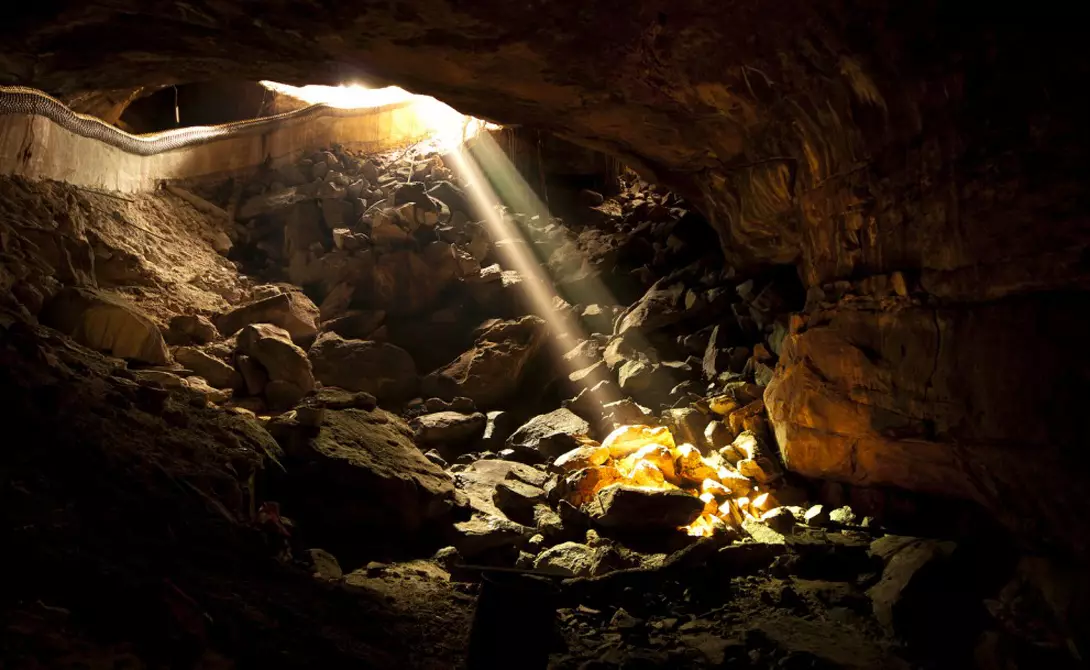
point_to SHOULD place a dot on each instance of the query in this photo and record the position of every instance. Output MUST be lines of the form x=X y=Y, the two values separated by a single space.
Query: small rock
x=568 y=558
x=518 y=499
x=582 y=457
x=817 y=516
x=448 y=428
x=779 y=519
x=761 y=533
x=842 y=515
x=325 y=564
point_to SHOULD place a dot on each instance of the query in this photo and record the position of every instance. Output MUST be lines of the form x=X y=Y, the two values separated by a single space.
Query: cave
x=548 y=335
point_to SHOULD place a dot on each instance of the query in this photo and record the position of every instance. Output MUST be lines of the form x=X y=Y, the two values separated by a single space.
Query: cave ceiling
x=795 y=126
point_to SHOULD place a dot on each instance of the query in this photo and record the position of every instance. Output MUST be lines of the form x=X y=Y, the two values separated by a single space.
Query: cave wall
x=852 y=138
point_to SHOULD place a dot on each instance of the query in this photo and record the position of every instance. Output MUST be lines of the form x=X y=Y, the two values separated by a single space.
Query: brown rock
x=191 y=329
x=629 y=508
x=357 y=325
x=579 y=487
x=550 y=435
x=448 y=428
x=661 y=306
x=582 y=457
x=492 y=371
x=336 y=301
x=292 y=311
x=282 y=360
x=368 y=462
x=106 y=323
x=384 y=370
x=518 y=499
x=216 y=372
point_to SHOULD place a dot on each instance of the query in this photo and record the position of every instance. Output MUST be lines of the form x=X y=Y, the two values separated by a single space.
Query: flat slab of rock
x=359 y=473
x=551 y=435
x=386 y=371
x=568 y=558
x=217 y=373
x=630 y=508
x=480 y=479
x=448 y=428
x=106 y=323
x=292 y=311
x=483 y=532
x=492 y=371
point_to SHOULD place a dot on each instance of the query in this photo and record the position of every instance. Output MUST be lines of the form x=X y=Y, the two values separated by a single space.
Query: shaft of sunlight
x=538 y=285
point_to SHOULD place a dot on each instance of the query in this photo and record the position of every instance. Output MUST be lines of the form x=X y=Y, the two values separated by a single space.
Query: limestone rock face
x=365 y=461
x=941 y=401
x=292 y=311
x=381 y=369
x=106 y=323
x=491 y=371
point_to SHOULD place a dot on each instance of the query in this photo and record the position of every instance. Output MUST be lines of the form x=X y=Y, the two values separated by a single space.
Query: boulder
x=491 y=372
x=485 y=532
x=292 y=311
x=630 y=508
x=905 y=559
x=518 y=499
x=550 y=435
x=580 y=487
x=359 y=474
x=451 y=429
x=582 y=457
x=302 y=228
x=663 y=305
x=191 y=329
x=381 y=369
x=278 y=355
x=356 y=324
x=106 y=323
x=219 y=374
x=568 y=558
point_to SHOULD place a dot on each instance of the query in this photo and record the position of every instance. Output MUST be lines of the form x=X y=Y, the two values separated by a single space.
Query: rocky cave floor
x=283 y=440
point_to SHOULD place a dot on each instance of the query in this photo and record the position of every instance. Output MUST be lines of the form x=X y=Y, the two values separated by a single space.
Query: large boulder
x=661 y=306
x=916 y=399
x=106 y=323
x=292 y=311
x=550 y=435
x=381 y=369
x=282 y=360
x=492 y=370
x=358 y=478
